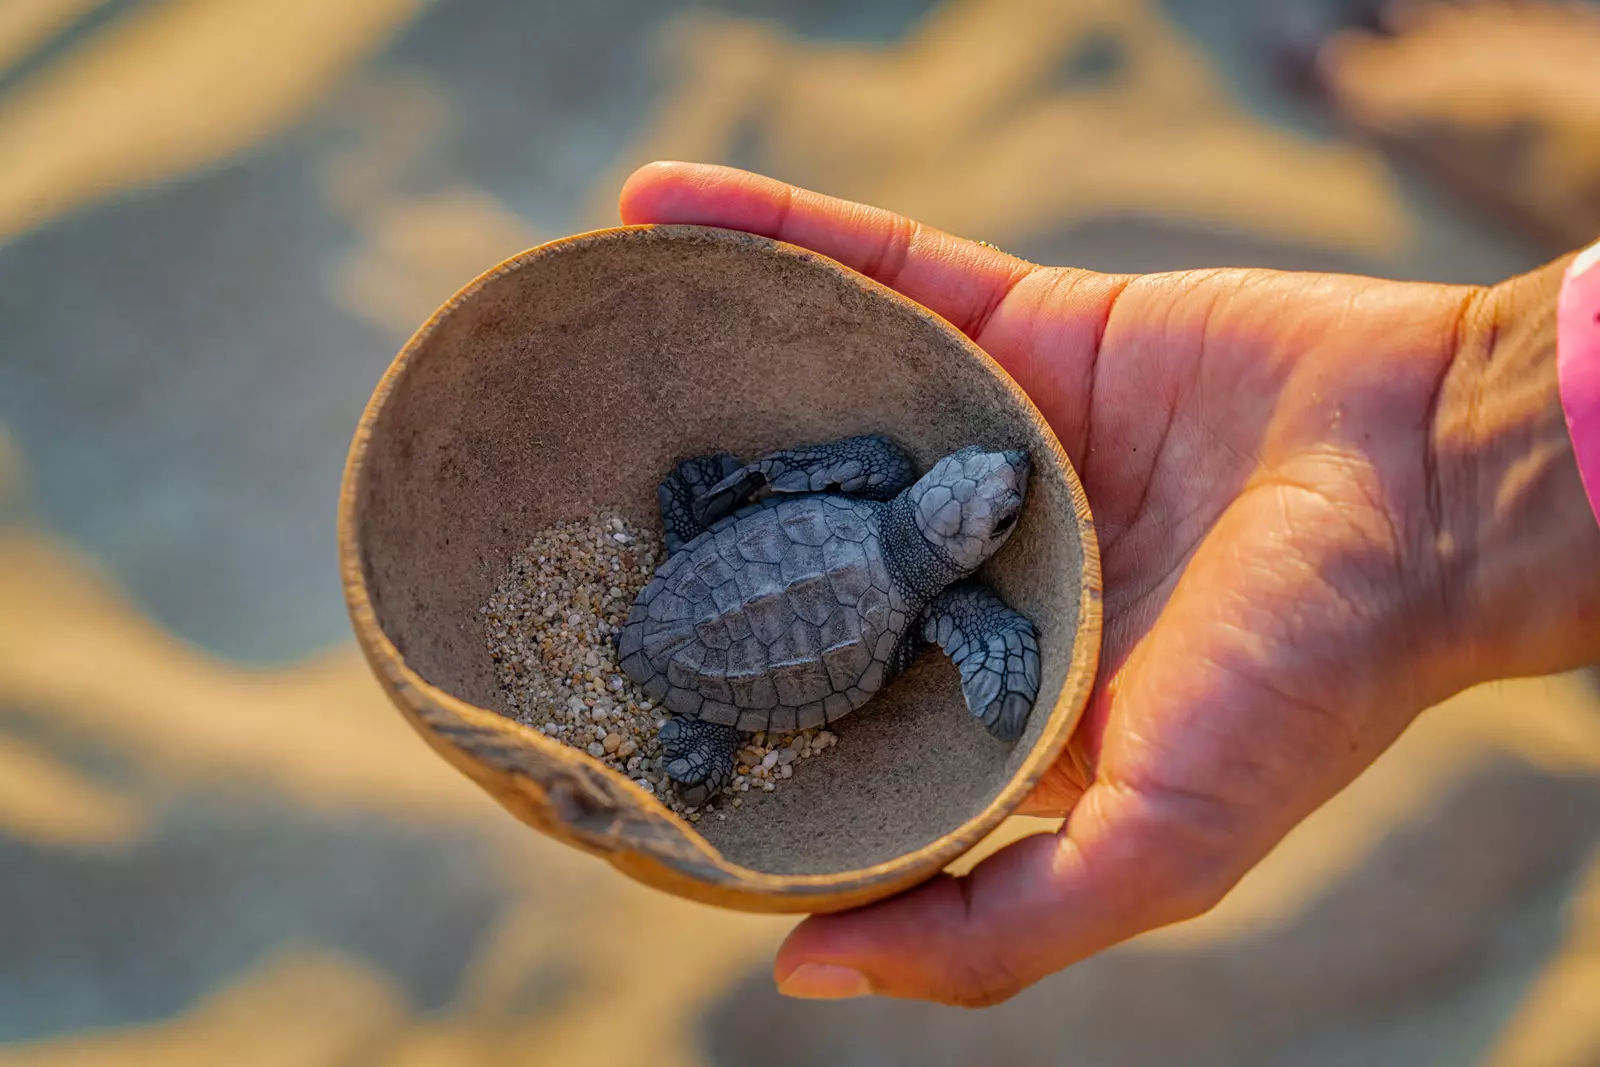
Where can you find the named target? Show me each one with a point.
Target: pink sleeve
(1578, 365)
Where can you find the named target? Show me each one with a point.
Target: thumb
(1120, 867)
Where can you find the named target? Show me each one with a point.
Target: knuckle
(1196, 899)
(1188, 888)
(982, 983)
(1187, 854)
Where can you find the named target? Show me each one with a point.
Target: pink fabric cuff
(1578, 365)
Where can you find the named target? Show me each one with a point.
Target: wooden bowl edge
(568, 795)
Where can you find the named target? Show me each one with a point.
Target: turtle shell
(780, 617)
(484, 429)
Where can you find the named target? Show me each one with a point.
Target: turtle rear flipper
(996, 650)
(678, 492)
(871, 467)
(698, 756)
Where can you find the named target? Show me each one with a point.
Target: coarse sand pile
(552, 625)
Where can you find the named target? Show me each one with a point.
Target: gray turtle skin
(799, 585)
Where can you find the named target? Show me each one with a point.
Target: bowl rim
(655, 846)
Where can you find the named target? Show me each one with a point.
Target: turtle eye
(1006, 523)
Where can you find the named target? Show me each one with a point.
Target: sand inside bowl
(552, 625)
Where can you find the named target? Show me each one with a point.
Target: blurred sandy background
(218, 845)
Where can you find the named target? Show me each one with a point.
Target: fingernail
(824, 981)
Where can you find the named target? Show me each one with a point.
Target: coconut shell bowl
(569, 380)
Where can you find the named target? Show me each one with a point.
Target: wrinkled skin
(1313, 497)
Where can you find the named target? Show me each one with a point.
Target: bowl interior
(574, 377)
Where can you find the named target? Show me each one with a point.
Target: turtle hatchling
(798, 586)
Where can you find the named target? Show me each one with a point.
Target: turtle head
(968, 504)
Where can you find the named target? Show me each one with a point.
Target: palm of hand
(1246, 441)
(1252, 536)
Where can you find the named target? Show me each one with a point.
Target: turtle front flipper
(873, 467)
(996, 650)
(678, 491)
(698, 756)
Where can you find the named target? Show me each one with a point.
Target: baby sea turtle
(797, 586)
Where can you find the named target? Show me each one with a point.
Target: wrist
(1518, 545)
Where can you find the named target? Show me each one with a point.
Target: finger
(1122, 866)
(960, 280)
(1043, 325)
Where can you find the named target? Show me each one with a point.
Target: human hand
(1323, 503)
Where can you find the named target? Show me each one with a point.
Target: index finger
(963, 281)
